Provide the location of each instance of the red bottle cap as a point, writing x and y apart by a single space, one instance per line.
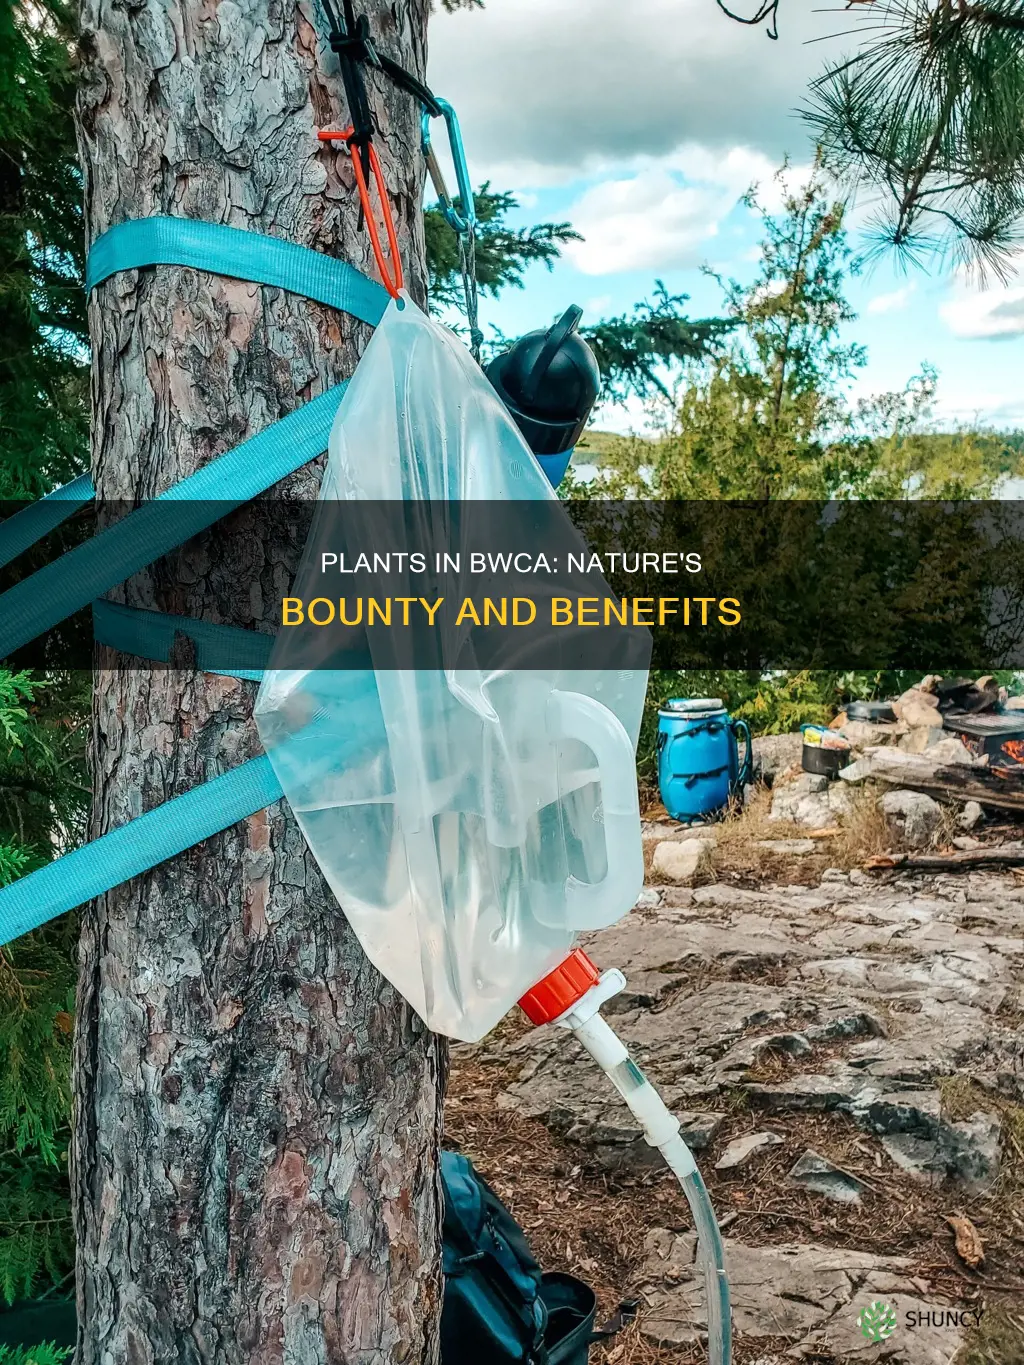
560 989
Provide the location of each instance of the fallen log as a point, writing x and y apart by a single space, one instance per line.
1002 788
948 862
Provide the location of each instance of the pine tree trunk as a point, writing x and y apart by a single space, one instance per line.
258 1112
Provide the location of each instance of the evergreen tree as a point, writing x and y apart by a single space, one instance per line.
633 347
43 798
43 793
765 419
928 112
47 1354
43 362
630 349
502 252
43 789
931 110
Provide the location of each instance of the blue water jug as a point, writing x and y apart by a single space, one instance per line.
698 757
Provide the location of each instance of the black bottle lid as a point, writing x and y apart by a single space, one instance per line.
549 381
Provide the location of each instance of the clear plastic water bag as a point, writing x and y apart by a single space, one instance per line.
471 820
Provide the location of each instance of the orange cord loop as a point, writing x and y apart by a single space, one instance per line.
392 279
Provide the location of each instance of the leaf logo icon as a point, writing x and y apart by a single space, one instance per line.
877 1322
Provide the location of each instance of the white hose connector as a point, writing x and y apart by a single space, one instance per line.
660 1126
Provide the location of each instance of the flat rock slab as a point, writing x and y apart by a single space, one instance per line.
867 993
810 1295
857 996
816 1173
968 1151
743 1149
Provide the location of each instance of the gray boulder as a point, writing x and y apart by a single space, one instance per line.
773 754
912 817
971 816
682 861
809 800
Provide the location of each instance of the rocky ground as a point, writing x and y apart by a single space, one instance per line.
848 1060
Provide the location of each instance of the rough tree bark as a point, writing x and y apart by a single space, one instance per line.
254 1164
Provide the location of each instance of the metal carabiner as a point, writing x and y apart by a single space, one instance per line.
463 222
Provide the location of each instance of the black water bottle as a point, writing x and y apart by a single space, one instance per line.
549 381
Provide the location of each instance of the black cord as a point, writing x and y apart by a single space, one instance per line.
350 40
411 84
349 37
768 9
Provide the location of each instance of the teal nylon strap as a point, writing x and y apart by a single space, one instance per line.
221 250
136 847
21 531
37 603
85 573
150 635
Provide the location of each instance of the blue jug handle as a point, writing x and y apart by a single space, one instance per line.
746 771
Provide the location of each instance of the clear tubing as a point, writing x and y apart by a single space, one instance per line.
661 1130
712 1258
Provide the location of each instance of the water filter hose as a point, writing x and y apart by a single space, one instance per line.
571 996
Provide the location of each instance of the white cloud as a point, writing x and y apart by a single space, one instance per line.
550 91
978 312
597 306
735 171
647 221
665 214
978 407
666 110
891 303
995 313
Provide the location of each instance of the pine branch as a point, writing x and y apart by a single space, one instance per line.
46 1353
36 1237
629 348
502 253
930 110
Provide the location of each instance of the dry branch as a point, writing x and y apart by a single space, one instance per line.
1002 788
948 862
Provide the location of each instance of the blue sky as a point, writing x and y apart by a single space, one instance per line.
642 123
